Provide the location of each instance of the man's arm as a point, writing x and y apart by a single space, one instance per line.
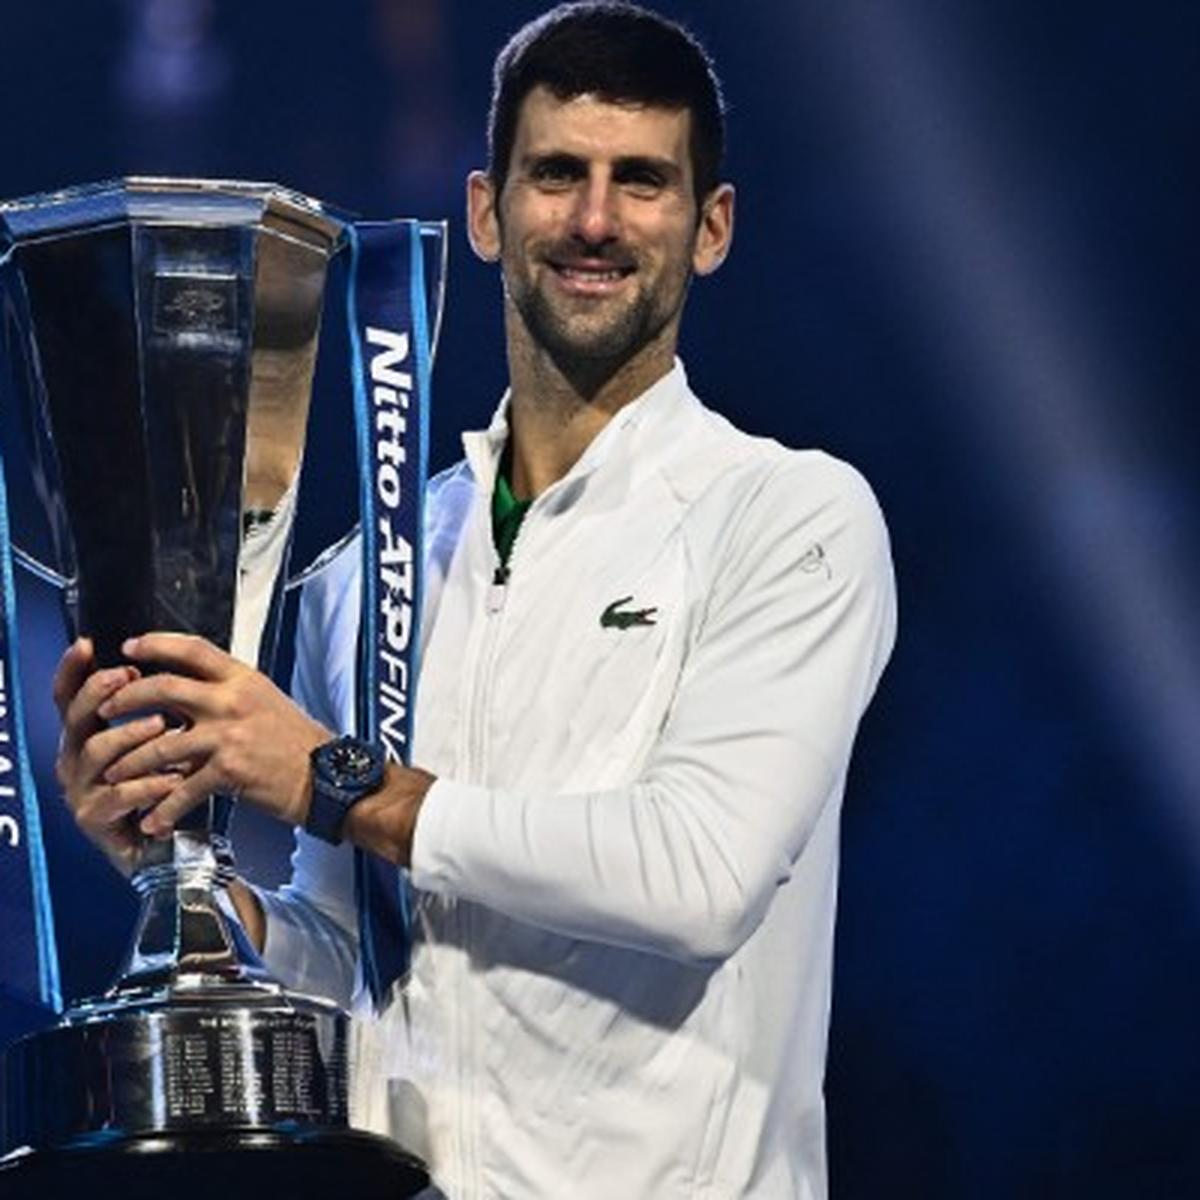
684 860
250 913
243 737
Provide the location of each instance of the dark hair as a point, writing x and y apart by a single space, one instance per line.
619 52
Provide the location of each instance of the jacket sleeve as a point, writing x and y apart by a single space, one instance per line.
684 861
312 941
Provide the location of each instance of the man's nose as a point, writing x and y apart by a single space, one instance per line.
596 219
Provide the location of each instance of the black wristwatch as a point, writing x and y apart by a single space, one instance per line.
344 771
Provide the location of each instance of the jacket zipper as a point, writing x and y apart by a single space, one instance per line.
498 590
497 595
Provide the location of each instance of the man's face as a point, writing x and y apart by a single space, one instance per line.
596 227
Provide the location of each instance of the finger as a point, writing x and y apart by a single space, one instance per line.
148 757
102 749
176 693
181 652
73 668
82 717
182 799
106 808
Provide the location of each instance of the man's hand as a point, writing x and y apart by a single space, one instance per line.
104 810
243 736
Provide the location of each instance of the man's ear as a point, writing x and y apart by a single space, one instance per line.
483 224
715 232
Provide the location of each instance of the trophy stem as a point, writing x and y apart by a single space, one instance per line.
187 935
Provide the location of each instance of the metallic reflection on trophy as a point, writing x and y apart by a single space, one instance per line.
163 335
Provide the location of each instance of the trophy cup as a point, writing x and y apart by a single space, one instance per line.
161 336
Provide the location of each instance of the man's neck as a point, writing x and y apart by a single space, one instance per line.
553 417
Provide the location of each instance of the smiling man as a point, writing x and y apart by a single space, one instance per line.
649 639
599 230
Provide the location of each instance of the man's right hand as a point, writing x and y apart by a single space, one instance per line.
106 812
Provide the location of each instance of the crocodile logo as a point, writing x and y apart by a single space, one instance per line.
615 616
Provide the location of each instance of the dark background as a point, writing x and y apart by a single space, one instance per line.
965 261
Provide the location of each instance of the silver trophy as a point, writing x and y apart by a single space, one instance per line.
161 336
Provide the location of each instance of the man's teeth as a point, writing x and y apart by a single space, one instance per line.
591 274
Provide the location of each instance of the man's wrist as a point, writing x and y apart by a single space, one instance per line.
385 822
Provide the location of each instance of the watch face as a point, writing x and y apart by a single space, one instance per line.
349 763
351 760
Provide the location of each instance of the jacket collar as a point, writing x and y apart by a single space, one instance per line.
653 409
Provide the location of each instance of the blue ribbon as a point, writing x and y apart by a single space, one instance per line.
30 958
391 353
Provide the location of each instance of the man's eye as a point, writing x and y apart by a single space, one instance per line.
554 173
642 183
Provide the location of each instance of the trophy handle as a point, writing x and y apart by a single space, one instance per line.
40 570
323 560
435 241
435 244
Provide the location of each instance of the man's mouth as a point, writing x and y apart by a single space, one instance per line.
593 273
590 278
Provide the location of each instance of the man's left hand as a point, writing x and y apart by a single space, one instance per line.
242 736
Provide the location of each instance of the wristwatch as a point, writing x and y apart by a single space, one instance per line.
344 772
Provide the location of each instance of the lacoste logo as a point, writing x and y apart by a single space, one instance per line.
610 618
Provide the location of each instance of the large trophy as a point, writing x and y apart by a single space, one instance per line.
160 338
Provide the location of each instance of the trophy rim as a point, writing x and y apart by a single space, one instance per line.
195 993
124 194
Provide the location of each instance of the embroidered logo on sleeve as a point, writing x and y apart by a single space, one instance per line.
814 560
611 618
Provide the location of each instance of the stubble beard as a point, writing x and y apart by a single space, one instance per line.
592 346
582 340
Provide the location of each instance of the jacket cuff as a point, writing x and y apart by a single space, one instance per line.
437 850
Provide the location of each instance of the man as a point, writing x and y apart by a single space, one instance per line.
648 642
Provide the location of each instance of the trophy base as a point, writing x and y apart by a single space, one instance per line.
213 1089
206 1059
232 1164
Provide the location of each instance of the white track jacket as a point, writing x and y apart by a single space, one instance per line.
626 871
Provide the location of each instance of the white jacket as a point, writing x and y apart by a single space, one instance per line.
627 868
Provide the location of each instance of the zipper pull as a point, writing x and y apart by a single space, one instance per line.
498 590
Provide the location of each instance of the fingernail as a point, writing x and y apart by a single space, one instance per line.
129 646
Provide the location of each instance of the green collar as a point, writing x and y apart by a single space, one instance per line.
507 511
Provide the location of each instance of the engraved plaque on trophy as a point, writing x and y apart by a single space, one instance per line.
161 337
